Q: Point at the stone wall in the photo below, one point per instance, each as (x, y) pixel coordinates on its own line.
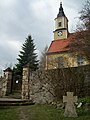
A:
(41, 89)
(51, 85)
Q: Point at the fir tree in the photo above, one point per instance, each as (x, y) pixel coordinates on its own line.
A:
(27, 56)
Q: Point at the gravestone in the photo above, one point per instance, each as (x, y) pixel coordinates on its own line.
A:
(69, 101)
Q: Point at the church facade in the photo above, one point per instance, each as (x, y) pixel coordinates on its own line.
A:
(59, 54)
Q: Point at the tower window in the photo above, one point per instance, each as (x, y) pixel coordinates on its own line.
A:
(80, 60)
(59, 24)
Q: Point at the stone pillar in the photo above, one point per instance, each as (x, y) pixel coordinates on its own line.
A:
(25, 82)
(7, 81)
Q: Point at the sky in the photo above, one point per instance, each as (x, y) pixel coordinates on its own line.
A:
(20, 18)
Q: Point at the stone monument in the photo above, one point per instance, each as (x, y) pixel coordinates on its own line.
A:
(69, 101)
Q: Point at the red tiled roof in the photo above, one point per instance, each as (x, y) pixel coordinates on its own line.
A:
(61, 45)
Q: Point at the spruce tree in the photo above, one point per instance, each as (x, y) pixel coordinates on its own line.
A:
(27, 56)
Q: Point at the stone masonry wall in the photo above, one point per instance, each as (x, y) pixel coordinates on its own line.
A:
(41, 90)
(49, 86)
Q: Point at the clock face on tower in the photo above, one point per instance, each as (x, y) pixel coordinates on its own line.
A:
(59, 33)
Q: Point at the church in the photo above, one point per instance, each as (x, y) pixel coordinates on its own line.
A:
(59, 54)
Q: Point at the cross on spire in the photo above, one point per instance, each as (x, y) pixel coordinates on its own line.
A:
(60, 1)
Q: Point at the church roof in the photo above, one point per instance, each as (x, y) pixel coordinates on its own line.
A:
(61, 45)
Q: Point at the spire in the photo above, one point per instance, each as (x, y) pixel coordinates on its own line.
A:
(61, 12)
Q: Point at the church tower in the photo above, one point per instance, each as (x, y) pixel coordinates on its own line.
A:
(57, 51)
(61, 25)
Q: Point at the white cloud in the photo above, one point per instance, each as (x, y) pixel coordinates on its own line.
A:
(14, 45)
(7, 3)
(40, 9)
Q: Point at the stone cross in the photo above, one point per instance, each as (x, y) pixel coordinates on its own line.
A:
(69, 101)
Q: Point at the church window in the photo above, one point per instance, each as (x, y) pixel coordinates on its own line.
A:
(80, 60)
(59, 24)
(60, 62)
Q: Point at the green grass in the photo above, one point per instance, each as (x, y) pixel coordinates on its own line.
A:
(8, 113)
(84, 99)
(38, 112)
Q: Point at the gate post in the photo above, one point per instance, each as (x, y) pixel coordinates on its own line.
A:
(25, 82)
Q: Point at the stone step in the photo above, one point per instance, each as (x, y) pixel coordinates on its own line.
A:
(14, 102)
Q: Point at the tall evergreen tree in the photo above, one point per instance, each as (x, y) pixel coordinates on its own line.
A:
(27, 56)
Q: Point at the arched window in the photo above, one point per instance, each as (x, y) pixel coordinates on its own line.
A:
(59, 24)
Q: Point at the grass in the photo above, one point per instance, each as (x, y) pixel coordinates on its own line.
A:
(38, 112)
(84, 99)
(8, 113)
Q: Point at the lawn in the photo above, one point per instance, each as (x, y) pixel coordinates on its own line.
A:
(38, 112)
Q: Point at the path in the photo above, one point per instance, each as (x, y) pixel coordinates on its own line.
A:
(22, 115)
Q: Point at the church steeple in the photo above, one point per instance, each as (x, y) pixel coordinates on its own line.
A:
(61, 12)
(61, 25)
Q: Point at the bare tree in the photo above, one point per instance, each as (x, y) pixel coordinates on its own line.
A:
(82, 35)
(85, 15)
(43, 58)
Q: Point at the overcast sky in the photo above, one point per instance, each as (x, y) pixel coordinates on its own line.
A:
(19, 18)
